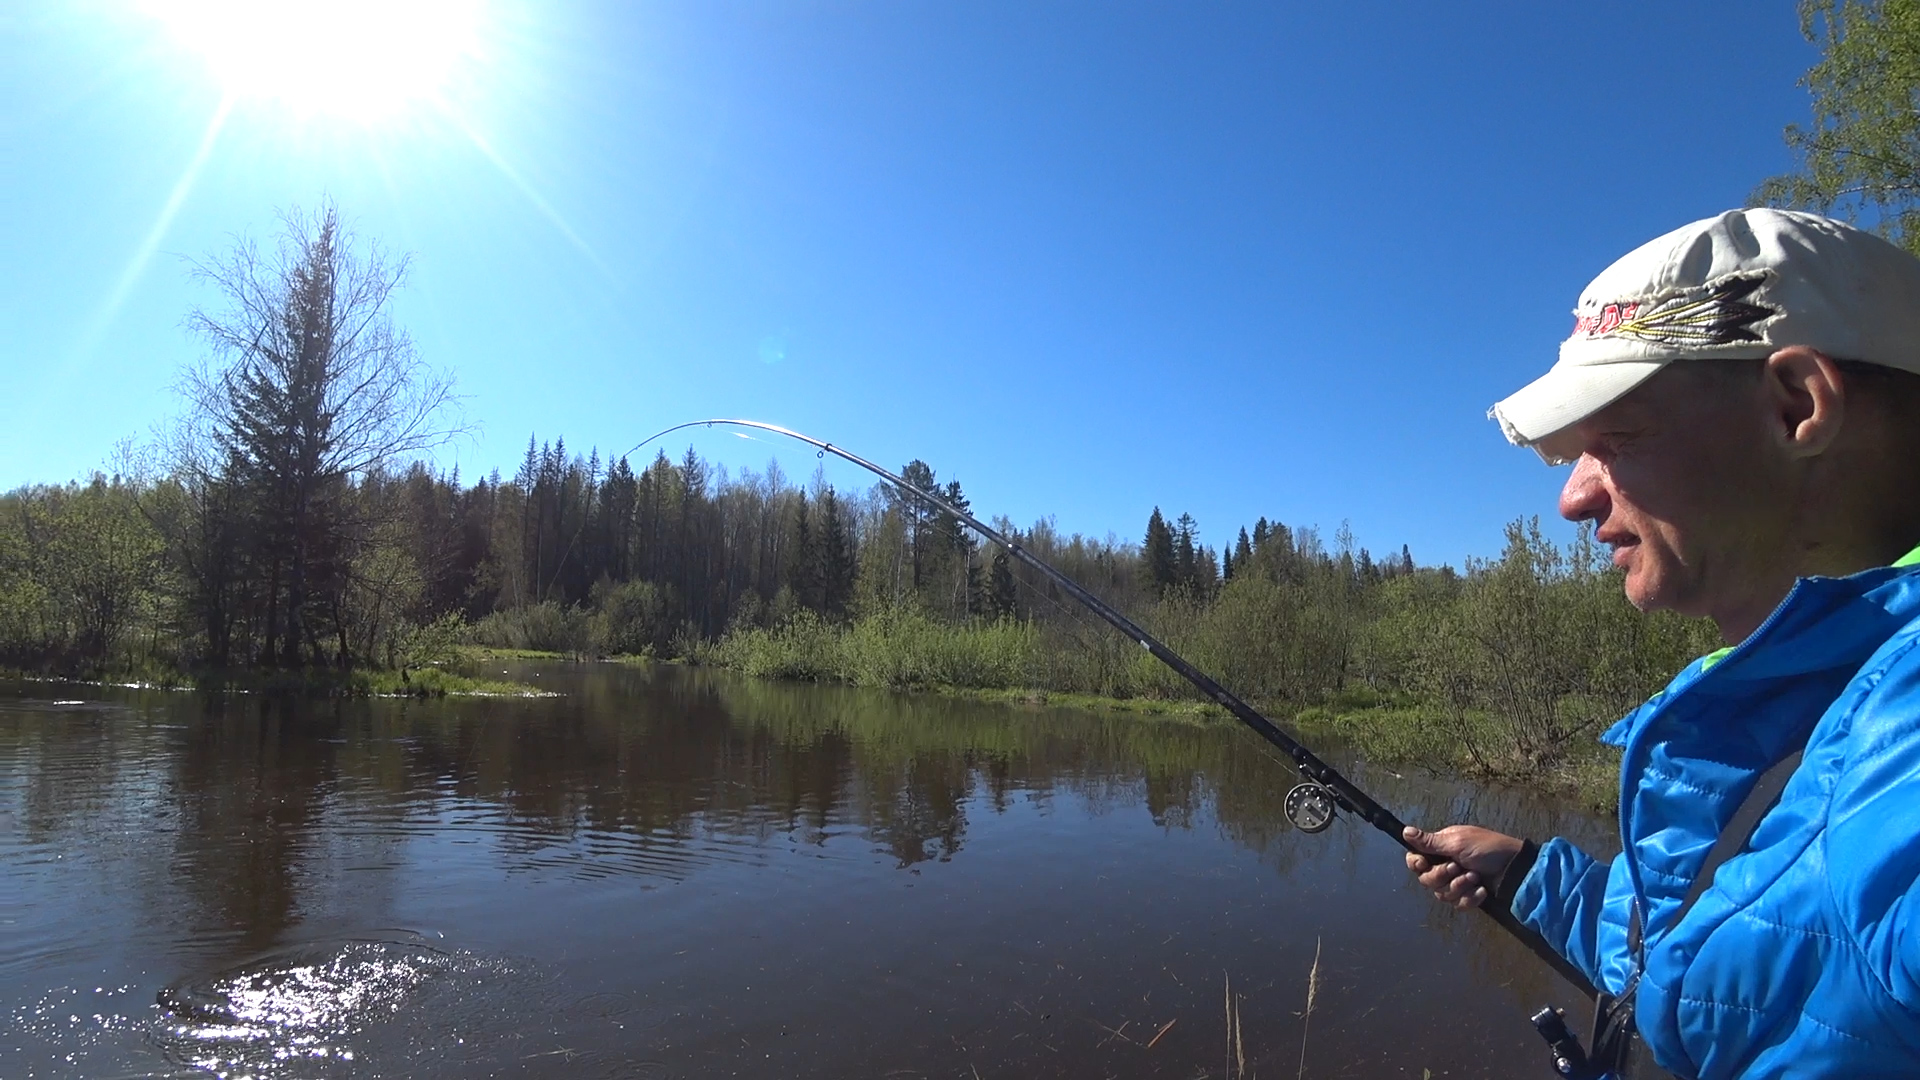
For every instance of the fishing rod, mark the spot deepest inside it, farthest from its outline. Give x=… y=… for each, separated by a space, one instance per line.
x=1310 y=806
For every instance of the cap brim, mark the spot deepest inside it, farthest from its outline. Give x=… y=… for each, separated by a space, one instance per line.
x=1566 y=395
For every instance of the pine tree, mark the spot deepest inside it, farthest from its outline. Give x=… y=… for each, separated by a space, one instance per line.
x=918 y=516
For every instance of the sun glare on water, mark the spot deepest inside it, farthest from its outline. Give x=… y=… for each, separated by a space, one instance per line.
x=363 y=60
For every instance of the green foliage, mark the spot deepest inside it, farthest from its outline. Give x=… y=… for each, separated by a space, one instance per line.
x=1506 y=670
x=80 y=574
x=1526 y=655
x=902 y=648
x=438 y=642
x=631 y=618
x=544 y=627
x=1861 y=155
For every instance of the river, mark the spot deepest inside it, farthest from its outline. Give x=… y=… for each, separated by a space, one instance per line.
x=664 y=872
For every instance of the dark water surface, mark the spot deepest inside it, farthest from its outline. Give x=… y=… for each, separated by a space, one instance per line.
x=670 y=873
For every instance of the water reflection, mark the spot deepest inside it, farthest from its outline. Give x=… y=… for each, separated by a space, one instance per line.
x=671 y=872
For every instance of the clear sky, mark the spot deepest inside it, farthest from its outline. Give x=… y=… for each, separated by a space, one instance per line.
x=1088 y=258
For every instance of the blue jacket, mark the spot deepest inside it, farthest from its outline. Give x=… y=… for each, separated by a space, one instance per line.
x=1803 y=959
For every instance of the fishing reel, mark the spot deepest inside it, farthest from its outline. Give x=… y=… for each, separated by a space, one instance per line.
x=1310 y=807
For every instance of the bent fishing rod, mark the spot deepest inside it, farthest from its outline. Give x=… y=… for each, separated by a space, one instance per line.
x=1310 y=806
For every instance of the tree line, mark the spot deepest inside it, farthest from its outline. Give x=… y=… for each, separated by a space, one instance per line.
x=288 y=522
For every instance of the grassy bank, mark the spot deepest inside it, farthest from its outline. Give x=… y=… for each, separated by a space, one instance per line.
x=469 y=654
x=1016 y=663
x=427 y=682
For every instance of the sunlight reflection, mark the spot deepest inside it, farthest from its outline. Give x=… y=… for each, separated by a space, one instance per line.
x=533 y=196
x=143 y=254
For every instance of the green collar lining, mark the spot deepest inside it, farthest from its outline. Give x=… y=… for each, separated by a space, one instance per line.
x=1911 y=558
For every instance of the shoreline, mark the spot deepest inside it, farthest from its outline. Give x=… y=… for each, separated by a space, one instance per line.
x=1391 y=732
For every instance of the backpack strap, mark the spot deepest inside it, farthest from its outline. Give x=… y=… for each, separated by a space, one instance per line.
x=1739 y=829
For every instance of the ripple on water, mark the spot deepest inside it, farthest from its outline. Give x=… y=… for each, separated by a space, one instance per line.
x=369 y=1006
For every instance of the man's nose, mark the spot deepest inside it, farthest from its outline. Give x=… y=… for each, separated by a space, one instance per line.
x=1584 y=498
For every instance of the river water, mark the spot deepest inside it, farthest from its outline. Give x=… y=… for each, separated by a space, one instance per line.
x=674 y=873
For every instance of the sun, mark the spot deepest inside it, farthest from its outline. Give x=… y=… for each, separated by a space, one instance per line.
x=363 y=60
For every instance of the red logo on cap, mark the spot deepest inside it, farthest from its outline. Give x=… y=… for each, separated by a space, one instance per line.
x=1606 y=322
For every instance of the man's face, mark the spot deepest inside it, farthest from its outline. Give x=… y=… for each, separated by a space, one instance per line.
x=1681 y=479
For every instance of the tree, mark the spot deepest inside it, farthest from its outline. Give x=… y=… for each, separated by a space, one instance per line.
x=803 y=559
x=1186 y=566
x=838 y=563
x=918 y=514
x=1002 y=599
x=1860 y=158
x=1157 y=554
x=308 y=388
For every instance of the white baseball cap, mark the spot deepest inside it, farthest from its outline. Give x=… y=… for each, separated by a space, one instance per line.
x=1739 y=286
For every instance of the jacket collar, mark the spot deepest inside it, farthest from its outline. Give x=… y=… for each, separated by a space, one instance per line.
x=1824 y=623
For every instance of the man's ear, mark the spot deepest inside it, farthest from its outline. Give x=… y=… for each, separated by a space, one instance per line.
x=1806 y=400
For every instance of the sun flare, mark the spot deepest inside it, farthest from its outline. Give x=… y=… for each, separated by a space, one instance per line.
x=362 y=60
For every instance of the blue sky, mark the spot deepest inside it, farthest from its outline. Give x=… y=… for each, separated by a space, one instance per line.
x=1088 y=258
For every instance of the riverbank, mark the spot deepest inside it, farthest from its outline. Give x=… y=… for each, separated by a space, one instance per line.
x=426 y=682
x=1398 y=734
x=1014 y=664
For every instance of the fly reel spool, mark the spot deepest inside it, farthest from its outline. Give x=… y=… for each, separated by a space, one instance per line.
x=1309 y=807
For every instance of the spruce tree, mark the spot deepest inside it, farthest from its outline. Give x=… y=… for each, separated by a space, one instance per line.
x=1157 y=554
x=803 y=559
x=1001 y=590
x=1186 y=567
x=837 y=561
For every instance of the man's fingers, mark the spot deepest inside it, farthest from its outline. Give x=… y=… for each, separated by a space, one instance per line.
x=1464 y=886
x=1472 y=900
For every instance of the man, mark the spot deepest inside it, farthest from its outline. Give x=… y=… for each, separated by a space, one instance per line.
x=1740 y=406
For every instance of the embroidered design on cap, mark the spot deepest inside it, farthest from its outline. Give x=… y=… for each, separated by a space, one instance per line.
x=1717 y=315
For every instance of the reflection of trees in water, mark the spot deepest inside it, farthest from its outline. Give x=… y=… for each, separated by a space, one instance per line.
x=635 y=770
x=926 y=816
x=250 y=780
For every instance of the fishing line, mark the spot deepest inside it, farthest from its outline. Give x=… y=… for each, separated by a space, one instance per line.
x=1310 y=805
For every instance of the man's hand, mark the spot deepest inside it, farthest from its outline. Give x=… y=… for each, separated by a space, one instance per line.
x=1460 y=862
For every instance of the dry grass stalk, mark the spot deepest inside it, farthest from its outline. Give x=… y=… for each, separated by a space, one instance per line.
x=1239 y=1050
x=1313 y=991
x=1164 y=1028
x=1229 y=999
